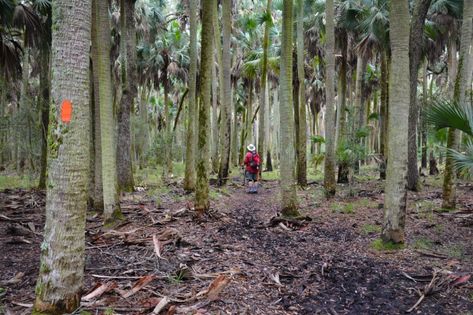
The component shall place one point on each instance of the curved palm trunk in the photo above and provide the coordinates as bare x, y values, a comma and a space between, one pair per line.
58, 288
202, 202
395, 191
263, 86
45, 99
129, 92
189, 177
462, 87
302, 150
415, 50
214, 131
288, 184
109, 164
226, 113
329, 167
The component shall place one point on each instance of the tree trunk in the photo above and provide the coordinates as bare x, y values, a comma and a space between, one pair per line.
329, 167
302, 156
264, 91
214, 131
111, 202
289, 202
462, 88
395, 191
384, 114
415, 51
423, 122
226, 90
45, 93
202, 202
342, 128
129, 92
189, 177
97, 203
61, 271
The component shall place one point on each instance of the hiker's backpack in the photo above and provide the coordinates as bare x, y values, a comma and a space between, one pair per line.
253, 163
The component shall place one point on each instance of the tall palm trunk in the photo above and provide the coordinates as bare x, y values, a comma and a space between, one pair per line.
59, 284
226, 112
342, 122
202, 202
415, 50
384, 114
329, 167
98, 186
189, 177
302, 156
462, 87
44, 81
263, 85
45, 90
214, 131
167, 163
289, 202
109, 164
129, 92
395, 191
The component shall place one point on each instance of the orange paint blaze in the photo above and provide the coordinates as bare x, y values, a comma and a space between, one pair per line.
66, 111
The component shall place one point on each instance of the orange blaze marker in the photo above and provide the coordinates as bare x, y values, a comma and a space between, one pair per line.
66, 111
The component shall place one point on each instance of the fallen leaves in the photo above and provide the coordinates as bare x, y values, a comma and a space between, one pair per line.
215, 288
100, 289
140, 284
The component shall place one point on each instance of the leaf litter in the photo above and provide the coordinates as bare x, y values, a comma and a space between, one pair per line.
245, 259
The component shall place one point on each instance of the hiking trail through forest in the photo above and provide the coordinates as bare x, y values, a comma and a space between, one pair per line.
163, 255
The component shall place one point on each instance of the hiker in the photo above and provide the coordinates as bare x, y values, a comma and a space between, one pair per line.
252, 163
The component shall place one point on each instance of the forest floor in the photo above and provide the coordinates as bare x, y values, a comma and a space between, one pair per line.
236, 260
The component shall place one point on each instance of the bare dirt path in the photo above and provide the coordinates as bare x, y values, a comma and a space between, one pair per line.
326, 266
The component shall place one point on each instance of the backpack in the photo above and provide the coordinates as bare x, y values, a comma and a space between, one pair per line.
253, 163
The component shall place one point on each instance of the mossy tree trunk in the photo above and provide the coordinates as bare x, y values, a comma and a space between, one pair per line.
59, 284
415, 51
302, 156
97, 197
289, 203
460, 95
189, 177
329, 166
395, 191
45, 97
109, 165
202, 202
129, 92
226, 90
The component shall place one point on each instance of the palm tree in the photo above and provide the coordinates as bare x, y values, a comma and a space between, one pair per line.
415, 51
59, 284
329, 167
301, 106
102, 42
289, 202
395, 191
189, 178
226, 113
129, 92
268, 22
462, 87
202, 202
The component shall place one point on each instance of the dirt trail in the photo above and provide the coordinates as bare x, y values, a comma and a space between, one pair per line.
326, 266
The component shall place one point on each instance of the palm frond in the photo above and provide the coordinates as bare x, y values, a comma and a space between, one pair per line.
447, 114
463, 161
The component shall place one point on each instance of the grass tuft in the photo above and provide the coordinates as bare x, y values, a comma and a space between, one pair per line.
381, 245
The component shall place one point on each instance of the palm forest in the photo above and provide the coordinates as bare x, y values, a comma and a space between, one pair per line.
236, 157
